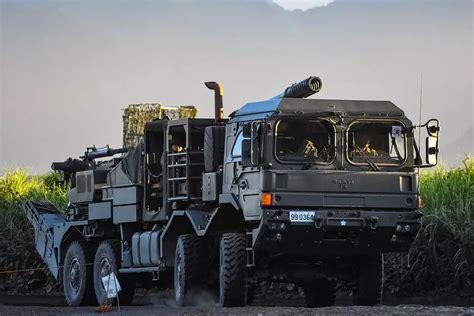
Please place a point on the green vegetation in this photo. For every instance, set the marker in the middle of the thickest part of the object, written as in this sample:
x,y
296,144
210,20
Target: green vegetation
x,y
449,199
17,250
442,257
15,188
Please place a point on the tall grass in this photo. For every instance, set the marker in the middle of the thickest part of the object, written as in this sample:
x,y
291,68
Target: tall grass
x,y
16,235
17,186
442,257
449,199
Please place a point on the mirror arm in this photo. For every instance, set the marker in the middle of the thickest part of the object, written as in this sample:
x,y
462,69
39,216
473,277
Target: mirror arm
x,y
418,160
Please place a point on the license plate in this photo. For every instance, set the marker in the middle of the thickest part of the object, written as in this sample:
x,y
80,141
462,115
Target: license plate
x,y
301,216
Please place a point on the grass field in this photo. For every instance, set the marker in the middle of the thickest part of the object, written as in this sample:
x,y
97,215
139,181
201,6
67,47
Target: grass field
x,y
442,257
449,199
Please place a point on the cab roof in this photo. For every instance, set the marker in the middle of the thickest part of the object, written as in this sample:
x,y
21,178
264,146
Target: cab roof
x,y
263,109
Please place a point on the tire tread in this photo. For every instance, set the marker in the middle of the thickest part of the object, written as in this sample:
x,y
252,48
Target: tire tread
x,y
234,276
368,291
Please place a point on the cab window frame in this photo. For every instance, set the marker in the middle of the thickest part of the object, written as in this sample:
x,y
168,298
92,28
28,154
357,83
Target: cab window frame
x,y
376,120
239,136
303,162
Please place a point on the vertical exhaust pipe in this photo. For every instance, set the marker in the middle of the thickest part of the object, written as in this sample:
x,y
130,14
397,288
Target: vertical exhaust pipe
x,y
218,102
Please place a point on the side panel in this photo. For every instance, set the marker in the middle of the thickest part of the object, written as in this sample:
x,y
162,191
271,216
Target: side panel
x,y
249,194
101,210
125,202
125,195
125,214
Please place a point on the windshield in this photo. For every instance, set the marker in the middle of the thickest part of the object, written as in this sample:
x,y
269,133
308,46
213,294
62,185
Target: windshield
x,y
304,140
383,143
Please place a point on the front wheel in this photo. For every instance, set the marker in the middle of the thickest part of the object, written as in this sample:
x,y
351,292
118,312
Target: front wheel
x,y
368,289
78,281
232,270
107,259
320,293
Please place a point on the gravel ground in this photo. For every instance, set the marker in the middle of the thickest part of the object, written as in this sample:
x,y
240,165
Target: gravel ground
x,y
163,304
251,310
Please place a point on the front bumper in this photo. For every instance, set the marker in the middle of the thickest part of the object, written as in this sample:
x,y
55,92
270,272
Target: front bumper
x,y
337,233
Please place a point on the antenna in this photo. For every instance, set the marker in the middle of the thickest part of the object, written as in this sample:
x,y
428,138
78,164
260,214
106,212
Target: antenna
x,y
419,122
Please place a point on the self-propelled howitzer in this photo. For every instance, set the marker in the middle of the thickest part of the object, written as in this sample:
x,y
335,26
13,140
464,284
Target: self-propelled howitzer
x,y
306,190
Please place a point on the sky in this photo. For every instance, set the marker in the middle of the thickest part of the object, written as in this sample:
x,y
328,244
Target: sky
x,y
69,67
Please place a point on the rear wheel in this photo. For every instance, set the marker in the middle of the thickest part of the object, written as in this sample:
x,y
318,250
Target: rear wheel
x,y
368,289
232,270
78,281
190,268
320,293
107,259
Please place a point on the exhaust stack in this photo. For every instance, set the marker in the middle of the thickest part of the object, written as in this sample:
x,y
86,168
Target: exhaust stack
x,y
303,89
218,102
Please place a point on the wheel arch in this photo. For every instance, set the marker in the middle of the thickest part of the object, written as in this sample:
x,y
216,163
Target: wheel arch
x,y
63,241
179,224
225,219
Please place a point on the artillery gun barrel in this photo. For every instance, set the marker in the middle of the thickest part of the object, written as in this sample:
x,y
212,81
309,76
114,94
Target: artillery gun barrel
x,y
103,152
303,89
70,165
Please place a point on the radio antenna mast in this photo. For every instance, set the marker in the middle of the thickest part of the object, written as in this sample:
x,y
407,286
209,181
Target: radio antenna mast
x,y
419,121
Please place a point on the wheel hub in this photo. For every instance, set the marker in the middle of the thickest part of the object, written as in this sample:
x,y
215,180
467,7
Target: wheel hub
x,y
179,276
75,275
105,269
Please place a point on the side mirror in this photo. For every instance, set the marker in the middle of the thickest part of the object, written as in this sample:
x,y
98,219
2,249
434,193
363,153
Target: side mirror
x,y
431,145
432,150
246,153
432,127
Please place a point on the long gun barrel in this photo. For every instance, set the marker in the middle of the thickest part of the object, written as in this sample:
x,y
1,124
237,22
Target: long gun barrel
x,y
70,166
94,153
303,89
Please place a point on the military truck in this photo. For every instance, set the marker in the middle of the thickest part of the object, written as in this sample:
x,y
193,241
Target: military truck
x,y
307,190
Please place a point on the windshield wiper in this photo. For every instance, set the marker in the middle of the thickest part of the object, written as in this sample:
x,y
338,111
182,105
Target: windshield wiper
x,y
369,161
311,161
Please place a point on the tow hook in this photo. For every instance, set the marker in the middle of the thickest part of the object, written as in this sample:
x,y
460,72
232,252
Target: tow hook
x,y
373,222
318,222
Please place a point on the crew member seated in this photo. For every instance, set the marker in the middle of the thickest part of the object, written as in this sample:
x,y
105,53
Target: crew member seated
x,y
368,149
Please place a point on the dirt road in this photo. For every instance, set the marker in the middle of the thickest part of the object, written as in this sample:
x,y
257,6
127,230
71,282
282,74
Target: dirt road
x,y
251,310
159,304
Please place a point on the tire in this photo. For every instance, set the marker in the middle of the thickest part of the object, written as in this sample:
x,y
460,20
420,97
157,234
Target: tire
x,y
78,281
232,270
107,260
368,289
320,293
252,288
190,268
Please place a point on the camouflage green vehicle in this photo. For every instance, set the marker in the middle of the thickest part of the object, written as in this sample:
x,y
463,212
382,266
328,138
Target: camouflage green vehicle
x,y
308,190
